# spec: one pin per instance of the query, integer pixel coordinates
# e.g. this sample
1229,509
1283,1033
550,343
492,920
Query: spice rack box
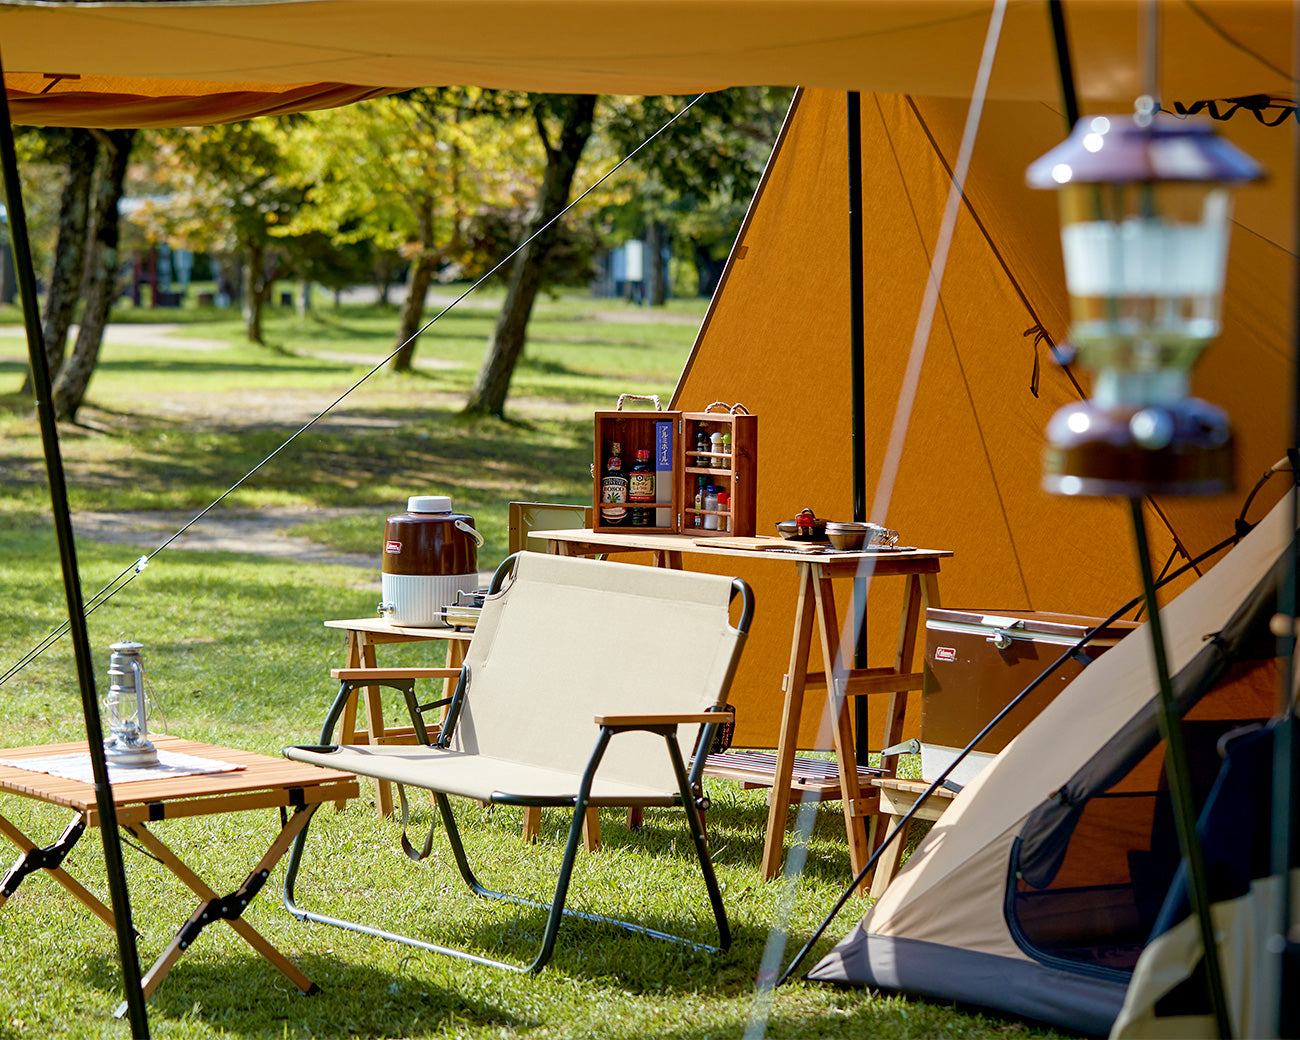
682,462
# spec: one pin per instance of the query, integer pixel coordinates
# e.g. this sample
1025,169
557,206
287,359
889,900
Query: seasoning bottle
613,488
724,507
701,483
701,445
715,446
726,450
711,508
641,487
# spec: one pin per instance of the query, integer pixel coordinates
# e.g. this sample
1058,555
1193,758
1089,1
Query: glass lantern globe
1145,220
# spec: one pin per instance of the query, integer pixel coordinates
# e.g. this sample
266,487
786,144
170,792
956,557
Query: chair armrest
358,674
641,721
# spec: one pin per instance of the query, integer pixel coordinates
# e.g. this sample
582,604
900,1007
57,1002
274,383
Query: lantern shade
1124,149
1145,221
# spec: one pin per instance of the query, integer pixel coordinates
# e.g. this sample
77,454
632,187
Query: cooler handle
462,526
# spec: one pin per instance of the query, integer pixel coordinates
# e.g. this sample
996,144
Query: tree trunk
492,385
70,253
101,274
422,271
655,265
252,291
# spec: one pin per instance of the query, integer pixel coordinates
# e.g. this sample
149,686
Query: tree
102,264
229,188
78,149
694,182
576,113
409,173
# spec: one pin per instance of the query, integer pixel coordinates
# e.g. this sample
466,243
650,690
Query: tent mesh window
1094,863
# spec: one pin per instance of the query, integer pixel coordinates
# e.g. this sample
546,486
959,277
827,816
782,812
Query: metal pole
857,377
1180,780
71,582
1064,66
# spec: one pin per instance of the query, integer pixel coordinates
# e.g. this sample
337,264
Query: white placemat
76,766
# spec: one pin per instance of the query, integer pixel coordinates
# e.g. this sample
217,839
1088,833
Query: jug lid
428,504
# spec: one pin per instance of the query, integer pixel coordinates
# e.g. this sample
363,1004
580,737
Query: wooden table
896,799
260,782
814,574
362,636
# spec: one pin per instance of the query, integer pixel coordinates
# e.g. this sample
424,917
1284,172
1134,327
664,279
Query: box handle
639,397
732,409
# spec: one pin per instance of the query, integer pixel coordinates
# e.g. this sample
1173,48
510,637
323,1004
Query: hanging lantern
128,741
1145,220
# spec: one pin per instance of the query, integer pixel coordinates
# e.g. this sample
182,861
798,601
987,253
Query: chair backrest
525,517
567,639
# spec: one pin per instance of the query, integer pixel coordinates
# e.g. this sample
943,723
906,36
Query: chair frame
689,797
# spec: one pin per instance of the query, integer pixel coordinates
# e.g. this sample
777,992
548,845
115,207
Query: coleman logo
392,547
942,653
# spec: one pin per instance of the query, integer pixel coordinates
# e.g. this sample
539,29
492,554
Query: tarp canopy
183,63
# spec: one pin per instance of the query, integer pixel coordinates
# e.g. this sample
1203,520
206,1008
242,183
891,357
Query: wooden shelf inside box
634,431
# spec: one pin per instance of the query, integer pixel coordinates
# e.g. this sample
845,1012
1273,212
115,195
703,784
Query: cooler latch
1000,637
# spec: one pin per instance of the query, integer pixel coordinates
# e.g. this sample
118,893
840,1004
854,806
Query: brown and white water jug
430,554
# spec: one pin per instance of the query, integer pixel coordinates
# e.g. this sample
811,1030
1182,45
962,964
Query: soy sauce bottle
613,488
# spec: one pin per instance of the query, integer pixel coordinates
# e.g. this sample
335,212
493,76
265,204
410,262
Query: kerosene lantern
1145,220
128,741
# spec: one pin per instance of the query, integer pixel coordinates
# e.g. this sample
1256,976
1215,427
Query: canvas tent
776,336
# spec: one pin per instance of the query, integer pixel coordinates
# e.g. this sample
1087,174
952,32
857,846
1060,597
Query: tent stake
71,581
1180,781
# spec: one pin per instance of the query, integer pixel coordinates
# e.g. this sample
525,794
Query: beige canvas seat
569,657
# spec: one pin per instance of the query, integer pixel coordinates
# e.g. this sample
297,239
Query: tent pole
1180,780
857,375
1064,66
71,581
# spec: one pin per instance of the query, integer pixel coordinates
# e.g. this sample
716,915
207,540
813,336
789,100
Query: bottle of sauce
613,488
641,488
701,483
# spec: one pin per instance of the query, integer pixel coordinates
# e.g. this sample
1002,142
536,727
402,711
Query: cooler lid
1027,623
428,504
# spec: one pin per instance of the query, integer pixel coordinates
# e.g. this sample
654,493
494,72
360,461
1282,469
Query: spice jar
715,443
711,508
724,507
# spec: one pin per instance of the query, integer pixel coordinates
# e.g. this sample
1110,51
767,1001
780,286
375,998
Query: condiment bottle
613,488
726,450
701,445
701,482
724,506
711,507
641,487
715,445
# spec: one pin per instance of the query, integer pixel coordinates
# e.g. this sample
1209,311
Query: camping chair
552,672
523,518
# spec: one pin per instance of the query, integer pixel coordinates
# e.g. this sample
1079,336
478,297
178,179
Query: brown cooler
977,662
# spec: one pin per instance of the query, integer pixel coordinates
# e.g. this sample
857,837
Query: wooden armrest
623,721
353,674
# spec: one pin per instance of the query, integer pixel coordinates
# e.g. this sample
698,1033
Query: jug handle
478,538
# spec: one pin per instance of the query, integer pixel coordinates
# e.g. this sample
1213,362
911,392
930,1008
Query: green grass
237,655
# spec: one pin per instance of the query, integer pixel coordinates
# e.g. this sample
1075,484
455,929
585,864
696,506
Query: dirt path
257,532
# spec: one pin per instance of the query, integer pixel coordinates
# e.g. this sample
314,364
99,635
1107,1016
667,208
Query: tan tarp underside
777,340
952,890
1212,48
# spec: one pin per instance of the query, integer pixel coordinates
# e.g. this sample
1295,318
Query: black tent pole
1064,66
71,581
857,376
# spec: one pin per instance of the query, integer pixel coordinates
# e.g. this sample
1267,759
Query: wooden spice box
670,437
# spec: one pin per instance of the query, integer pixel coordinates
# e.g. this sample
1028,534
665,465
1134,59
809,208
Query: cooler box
977,662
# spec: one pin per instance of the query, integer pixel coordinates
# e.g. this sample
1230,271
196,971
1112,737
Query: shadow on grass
244,994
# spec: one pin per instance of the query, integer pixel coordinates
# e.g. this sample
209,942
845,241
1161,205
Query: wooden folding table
259,782
814,602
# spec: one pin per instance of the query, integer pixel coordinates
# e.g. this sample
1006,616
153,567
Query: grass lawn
237,656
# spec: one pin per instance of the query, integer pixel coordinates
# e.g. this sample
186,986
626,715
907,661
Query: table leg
27,846
859,812
230,908
788,737
347,732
